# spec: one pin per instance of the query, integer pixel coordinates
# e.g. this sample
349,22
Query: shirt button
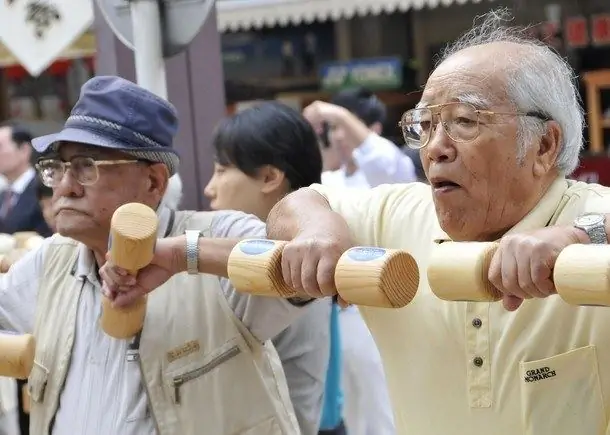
477,361
476,322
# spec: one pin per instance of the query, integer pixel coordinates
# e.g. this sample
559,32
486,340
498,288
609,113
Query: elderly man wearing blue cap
203,362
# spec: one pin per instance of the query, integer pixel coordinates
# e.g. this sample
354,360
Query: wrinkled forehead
67,150
475,75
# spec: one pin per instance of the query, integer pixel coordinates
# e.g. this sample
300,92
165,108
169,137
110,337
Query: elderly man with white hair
499,128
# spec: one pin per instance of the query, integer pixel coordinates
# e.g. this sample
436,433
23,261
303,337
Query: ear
548,149
271,178
158,176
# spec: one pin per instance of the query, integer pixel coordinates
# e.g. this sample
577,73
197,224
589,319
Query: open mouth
443,185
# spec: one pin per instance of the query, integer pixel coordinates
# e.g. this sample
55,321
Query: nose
68,186
208,192
440,147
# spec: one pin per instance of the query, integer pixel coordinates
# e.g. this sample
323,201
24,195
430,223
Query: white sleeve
19,291
382,162
265,317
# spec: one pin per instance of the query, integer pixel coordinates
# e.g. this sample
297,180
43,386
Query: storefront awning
236,15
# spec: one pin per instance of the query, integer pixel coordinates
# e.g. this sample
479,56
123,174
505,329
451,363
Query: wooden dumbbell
457,271
16,355
133,234
27,239
582,275
367,276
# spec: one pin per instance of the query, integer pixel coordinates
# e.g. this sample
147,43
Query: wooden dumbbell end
122,323
377,277
132,239
16,355
133,235
458,271
255,266
582,275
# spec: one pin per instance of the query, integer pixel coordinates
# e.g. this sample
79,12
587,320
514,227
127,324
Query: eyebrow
478,101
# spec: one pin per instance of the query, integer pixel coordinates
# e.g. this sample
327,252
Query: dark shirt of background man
19,207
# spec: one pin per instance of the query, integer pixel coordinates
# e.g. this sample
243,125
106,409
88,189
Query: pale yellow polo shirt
474,368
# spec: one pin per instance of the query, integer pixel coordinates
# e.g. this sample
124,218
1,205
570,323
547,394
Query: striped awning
236,15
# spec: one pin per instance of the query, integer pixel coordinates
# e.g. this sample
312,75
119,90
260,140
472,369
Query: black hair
19,134
42,191
362,103
270,133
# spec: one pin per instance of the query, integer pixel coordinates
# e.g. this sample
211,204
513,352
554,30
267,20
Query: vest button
476,322
477,361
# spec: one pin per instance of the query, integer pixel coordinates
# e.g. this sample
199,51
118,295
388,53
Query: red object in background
600,29
577,32
593,170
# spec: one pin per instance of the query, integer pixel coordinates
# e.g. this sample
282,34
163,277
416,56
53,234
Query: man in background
19,207
355,153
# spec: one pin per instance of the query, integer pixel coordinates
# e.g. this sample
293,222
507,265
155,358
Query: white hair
539,81
173,194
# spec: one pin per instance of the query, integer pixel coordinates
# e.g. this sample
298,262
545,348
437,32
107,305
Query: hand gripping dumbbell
133,235
366,276
458,271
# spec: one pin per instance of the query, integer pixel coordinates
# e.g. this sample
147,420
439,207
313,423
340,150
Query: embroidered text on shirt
539,374
184,350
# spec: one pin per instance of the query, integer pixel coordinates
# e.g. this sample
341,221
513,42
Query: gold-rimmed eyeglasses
84,169
460,121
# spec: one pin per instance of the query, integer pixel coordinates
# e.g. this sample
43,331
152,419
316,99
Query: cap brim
43,143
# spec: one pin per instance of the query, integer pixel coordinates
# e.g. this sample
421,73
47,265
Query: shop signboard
374,74
600,30
577,32
36,32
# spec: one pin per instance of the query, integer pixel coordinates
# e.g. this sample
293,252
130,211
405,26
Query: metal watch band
596,230
597,234
192,251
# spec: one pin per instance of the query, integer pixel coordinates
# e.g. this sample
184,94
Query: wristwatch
192,251
594,224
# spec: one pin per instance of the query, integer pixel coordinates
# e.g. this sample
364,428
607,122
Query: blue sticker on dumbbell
365,253
256,247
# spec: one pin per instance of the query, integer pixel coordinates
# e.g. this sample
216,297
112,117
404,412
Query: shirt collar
22,182
538,217
85,265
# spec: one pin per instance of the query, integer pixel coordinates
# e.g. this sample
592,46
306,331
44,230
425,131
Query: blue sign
381,73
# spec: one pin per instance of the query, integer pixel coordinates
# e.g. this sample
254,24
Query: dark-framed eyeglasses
460,121
84,169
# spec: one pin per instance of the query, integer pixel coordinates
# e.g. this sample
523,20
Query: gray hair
539,81
173,193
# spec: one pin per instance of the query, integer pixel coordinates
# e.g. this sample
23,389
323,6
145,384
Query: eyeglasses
84,169
461,122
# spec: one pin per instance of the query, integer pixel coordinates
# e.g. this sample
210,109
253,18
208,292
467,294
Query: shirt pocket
133,393
561,395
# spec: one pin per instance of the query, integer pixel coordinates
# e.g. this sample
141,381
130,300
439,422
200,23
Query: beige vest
201,367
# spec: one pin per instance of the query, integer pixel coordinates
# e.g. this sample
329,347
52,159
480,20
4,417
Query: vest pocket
37,382
562,394
178,378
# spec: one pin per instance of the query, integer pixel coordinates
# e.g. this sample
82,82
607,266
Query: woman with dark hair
262,154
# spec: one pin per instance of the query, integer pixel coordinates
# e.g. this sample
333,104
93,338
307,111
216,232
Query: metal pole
147,46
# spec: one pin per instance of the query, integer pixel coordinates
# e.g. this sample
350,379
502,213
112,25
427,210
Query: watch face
588,220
